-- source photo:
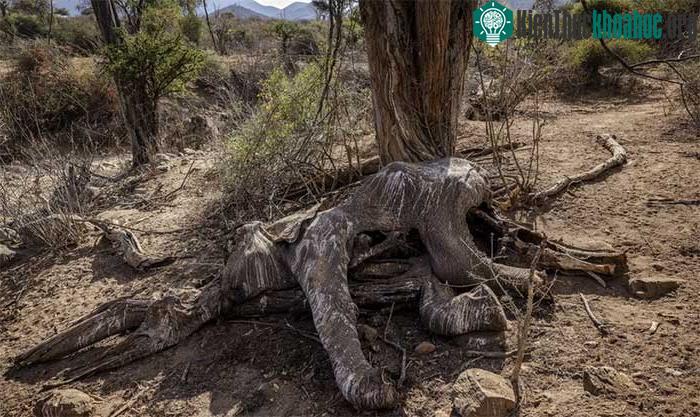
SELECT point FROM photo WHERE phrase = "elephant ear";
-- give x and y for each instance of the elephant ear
(288, 229)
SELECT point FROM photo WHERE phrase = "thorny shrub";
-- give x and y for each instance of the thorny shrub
(287, 145)
(47, 95)
(689, 97)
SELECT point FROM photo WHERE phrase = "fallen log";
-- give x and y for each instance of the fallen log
(618, 158)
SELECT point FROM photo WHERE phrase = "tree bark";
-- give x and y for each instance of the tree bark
(417, 53)
(140, 112)
(141, 115)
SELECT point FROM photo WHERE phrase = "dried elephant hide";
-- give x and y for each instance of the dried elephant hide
(312, 250)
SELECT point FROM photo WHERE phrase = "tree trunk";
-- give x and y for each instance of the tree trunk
(140, 111)
(417, 53)
(141, 115)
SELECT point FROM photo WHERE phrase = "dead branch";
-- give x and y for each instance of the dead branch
(601, 326)
(128, 404)
(597, 279)
(659, 201)
(288, 327)
(559, 256)
(619, 157)
(489, 354)
(524, 324)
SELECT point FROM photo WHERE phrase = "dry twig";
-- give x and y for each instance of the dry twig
(601, 326)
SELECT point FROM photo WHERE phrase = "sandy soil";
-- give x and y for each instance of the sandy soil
(233, 368)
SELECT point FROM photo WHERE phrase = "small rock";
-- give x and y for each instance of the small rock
(65, 403)
(654, 327)
(480, 393)
(673, 372)
(189, 151)
(590, 344)
(606, 380)
(368, 333)
(6, 255)
(424, 348)
(653, 287)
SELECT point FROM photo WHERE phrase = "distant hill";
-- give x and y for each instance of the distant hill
(269, 11)
(241, 12)
(243, 9)
(299, 11)
(295, 11)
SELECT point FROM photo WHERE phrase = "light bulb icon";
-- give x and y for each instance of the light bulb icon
(493, 23)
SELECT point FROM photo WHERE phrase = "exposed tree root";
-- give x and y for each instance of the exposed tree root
(618, 158)
(305, 261)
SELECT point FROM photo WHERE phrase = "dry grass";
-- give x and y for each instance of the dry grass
(39, 201)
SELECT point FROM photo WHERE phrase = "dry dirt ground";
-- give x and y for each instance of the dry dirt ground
(233, 368)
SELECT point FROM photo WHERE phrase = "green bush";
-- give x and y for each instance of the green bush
(27, 26)
(287, 108)
(304, 43)
(156, 59)
(673, 6)
(588, 56)
(79, 34)
(191, 28)
(275, 137)
(610, 6)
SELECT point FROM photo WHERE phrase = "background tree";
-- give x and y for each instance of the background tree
(190, 24)
(148, 58)
(322, 8)
(417, 53)
(285, 31)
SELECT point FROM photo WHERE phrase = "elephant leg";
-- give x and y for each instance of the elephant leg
(320, 264)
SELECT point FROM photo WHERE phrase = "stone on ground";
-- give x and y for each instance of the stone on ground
(653, 287)
(480, 393)
(424, 348)
(606, 380)
(65, 403)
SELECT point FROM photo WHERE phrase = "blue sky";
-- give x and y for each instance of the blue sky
(280, 3)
